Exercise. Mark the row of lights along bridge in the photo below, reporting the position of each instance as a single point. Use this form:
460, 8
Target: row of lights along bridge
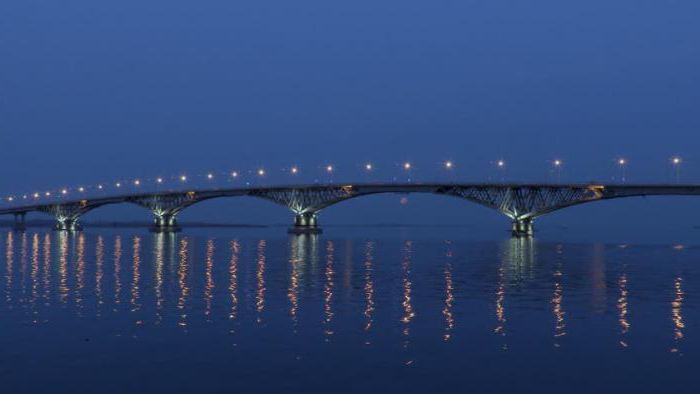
329, 169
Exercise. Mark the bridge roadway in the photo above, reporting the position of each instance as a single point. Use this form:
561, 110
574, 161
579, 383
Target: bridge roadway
522, 203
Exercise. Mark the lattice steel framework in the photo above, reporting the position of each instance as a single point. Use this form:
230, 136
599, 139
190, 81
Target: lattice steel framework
306, 201
165, 207
67, 215
526, 202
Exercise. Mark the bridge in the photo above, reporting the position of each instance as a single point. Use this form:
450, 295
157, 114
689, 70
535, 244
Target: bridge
521, 203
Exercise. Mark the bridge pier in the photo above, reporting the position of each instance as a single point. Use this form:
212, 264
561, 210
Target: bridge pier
305, 223
165, 223
522, 228
20, 224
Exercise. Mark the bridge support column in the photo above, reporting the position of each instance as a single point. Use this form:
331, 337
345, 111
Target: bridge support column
165, 222
67, 223
522, 228
305, 223
20, 224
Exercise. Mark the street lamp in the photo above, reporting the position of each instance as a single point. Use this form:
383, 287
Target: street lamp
449, 165
676, 162
557, 163
622, 162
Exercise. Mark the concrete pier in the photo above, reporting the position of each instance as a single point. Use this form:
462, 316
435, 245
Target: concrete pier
522, 228
305, 223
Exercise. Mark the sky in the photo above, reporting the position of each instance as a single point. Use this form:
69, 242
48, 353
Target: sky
92, 92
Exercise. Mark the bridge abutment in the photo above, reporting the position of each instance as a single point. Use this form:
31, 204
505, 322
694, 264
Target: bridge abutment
522, 228
305, 223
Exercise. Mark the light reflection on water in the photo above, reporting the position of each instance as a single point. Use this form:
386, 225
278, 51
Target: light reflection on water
346, 307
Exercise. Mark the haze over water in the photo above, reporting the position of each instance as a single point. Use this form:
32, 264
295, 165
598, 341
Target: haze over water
254, 311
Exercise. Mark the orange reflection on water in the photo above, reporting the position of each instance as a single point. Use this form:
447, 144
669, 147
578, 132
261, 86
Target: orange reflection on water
260, 280
34, 274
622, 309
233, 282
328, 289
500, 310
182, 269
293, 290
99, 268
63, 267
80, 272
159, 246
9, 263
677, 313
23, 264
557, 309
409, 314
208, 273
449, 300
46, 278
369, 285
136, 275
117, 269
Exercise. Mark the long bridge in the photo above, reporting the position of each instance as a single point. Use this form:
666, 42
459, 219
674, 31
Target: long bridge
521, 203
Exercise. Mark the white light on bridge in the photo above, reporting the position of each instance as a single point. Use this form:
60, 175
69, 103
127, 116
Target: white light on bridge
234, 174
294, 170
676, 161
369, 167
500, 163
118, 184
99, 187
64, 191
159, 180
449, 165
557, 163
137, 182
81, 189
36, 195
329, 168
210, 176
406, 166
622, 161
10, 199
183, 178
48, 194
261, 172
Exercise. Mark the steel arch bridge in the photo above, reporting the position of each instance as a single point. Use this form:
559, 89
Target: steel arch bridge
522, 203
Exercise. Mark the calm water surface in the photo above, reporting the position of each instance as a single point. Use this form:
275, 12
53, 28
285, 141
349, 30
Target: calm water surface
230, 311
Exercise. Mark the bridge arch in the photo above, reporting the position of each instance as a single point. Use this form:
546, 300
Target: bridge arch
522, 203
